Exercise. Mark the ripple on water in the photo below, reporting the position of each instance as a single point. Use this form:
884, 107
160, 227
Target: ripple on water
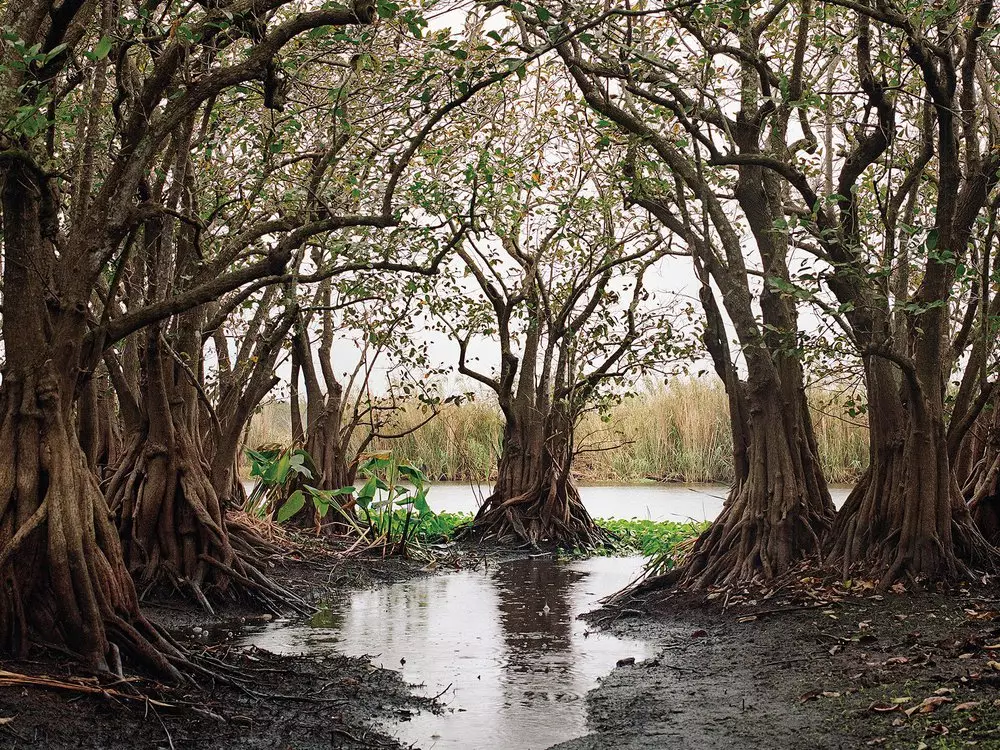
503, 647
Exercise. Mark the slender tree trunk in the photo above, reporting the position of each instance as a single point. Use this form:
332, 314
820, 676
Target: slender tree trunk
982, 486
98, 424
324, 441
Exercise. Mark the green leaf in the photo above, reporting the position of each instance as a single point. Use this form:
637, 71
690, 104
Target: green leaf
103, 48
412, 473
932, 239
293, 505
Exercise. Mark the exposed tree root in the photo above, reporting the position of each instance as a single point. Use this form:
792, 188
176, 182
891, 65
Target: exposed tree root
907, 519
551, 512
62, 575
777, 515
761, 534
176, 532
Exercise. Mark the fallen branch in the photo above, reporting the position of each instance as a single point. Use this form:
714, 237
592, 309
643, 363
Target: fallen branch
14, 679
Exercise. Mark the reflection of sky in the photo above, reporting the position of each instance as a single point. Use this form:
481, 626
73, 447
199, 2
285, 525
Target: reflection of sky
511, 673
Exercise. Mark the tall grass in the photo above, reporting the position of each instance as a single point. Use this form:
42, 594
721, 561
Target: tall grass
680, 432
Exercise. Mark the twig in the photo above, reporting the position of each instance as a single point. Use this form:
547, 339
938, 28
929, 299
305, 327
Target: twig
11, 679
170, 740
442, 692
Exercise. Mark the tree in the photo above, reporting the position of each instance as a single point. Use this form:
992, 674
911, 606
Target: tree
647, 84
100, 113
558, 268
346, 411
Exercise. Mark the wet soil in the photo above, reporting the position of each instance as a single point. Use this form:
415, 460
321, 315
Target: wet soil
821, 668
904, 670
283, 702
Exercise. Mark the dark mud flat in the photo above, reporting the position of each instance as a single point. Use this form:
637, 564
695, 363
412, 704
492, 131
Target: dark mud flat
288, 702
911, 670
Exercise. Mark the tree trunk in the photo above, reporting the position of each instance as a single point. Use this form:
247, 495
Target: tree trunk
171, 519
535, 500
982, 486
98, 424
333, 469
325, 441
907, 516
63, 578
775, 515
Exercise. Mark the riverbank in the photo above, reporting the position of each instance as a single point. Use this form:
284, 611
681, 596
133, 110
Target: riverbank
900, 670
818, 665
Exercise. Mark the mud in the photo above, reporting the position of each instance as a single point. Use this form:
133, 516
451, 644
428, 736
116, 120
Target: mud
283, 701
825, 670
910, 670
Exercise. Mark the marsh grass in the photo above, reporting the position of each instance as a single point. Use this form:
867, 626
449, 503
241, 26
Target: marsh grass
680, 432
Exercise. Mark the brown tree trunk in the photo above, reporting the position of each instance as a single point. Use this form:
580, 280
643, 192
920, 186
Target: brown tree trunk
63, 578
171, 519
98, 424
325, 441
535, 500
775, 515
907, 516
982, 487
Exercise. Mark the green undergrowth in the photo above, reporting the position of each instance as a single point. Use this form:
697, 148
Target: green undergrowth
650, 538
633, 536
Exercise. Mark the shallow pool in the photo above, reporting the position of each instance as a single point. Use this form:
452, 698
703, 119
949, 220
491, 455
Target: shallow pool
502, 647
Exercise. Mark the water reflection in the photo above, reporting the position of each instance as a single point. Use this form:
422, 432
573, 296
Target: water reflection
502, 647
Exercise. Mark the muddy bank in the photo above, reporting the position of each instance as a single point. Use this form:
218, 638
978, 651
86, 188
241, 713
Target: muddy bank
283, 701
912, 670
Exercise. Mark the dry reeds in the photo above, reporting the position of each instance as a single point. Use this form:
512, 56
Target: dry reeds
678, 432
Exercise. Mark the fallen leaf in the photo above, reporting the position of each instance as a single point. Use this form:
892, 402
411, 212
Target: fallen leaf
968, 706
928, 705
6, 720
883, 708
943, 691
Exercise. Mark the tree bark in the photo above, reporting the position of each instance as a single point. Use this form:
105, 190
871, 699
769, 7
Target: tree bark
535, 500
777, 513
907, 517
171, 517
63, 577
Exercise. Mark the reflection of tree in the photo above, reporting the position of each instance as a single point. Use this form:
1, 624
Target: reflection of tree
526, 588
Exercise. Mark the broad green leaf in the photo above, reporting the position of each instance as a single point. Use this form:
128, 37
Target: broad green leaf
295, 502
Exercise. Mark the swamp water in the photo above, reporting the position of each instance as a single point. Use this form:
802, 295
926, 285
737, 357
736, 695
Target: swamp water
502, 647
653, 501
